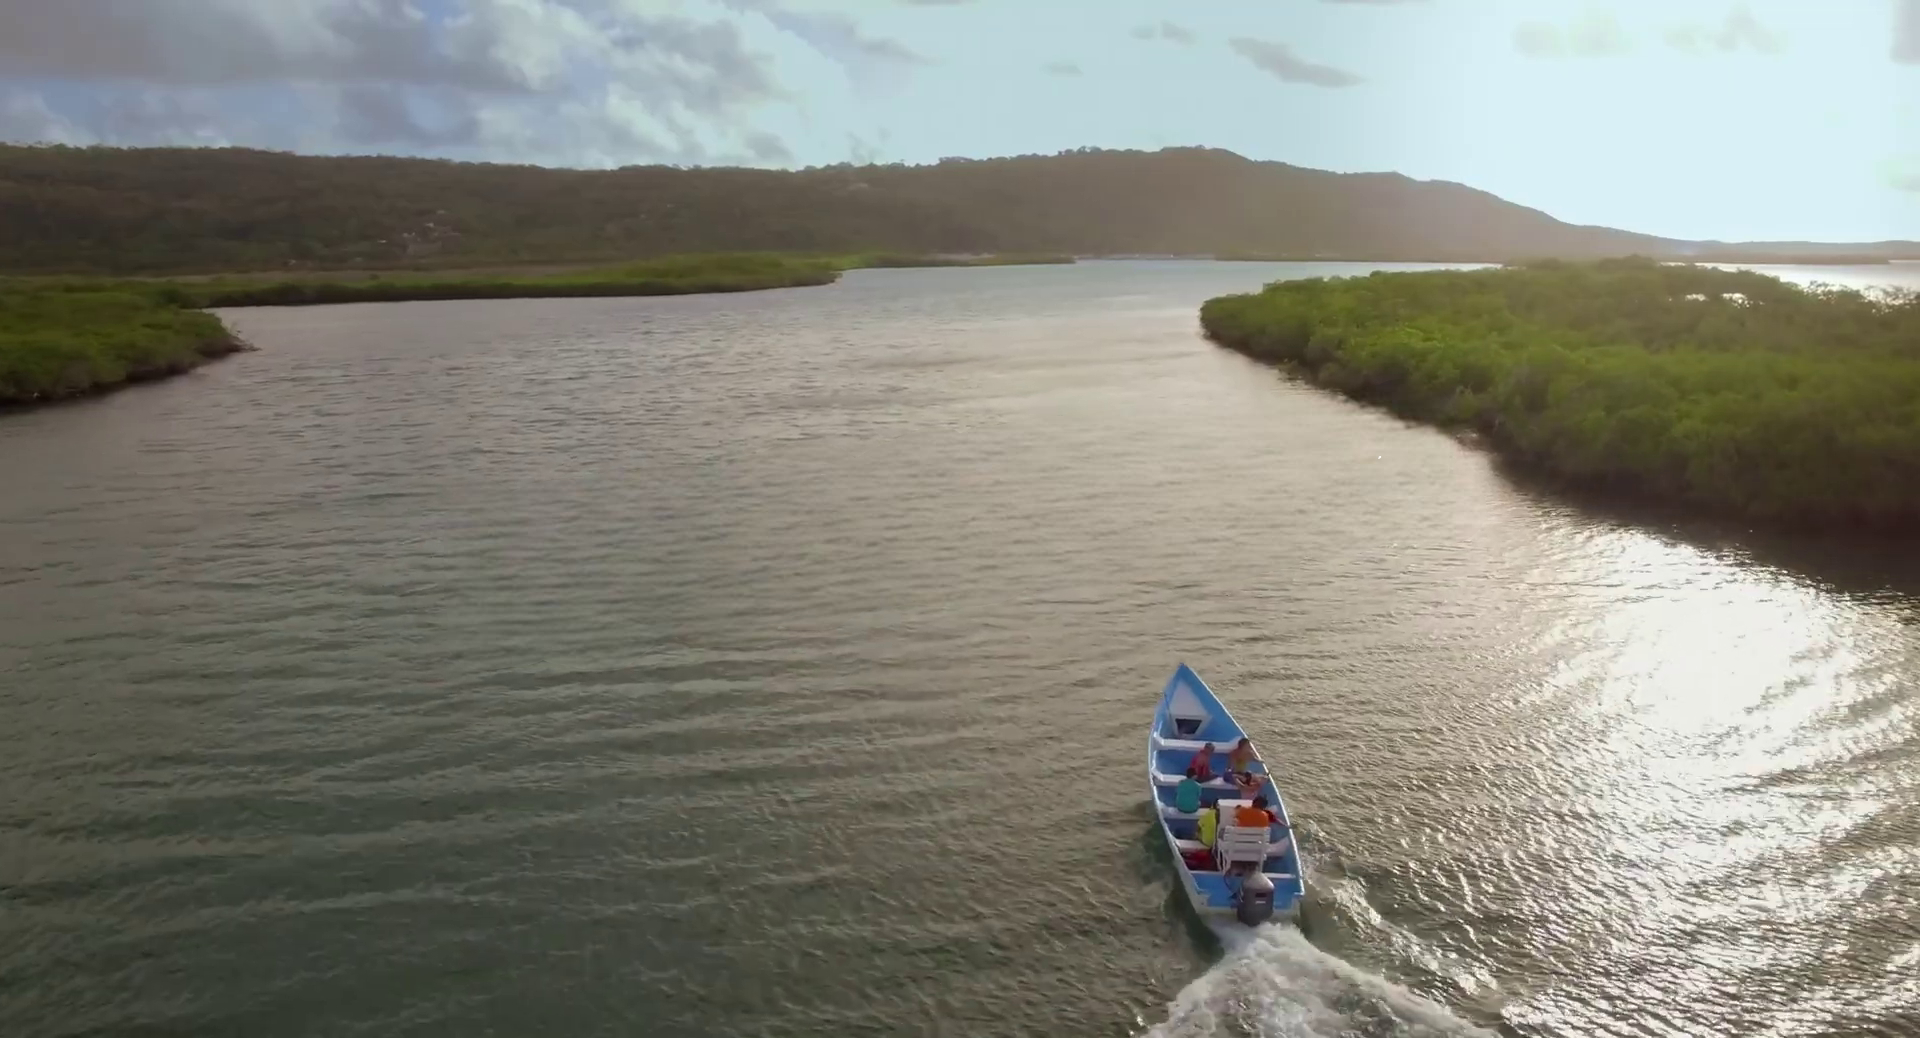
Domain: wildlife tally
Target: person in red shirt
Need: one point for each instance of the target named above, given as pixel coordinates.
(1200, 769)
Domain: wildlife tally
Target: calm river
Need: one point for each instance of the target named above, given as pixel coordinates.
(778, 664)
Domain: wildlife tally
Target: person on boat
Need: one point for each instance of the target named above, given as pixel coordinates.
(1208, 825)
(1200, 768)
(1248, 783)
(1256, 813)
(1241, 758)
(1186, 795)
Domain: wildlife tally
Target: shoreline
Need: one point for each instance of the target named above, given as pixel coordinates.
(1728, 394)
(330, 293)
(1541, 473)
(1732, 259)
(236, 291)
(133, 363)
(18, 396)
(204, 354)
(68, 338)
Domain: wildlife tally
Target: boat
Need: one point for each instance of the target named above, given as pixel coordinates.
(1249, 874)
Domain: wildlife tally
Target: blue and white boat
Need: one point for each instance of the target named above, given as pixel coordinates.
(1248, 873)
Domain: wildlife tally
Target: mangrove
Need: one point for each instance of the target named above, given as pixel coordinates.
(1729, 391)
(67, 337)
(71, 341)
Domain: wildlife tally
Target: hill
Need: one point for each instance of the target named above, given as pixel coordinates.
(180, 210)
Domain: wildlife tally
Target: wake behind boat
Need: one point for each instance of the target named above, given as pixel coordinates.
(1247, 872)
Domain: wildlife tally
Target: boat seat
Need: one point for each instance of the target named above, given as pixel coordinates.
(1165, 779)
(1220, 746)
(1241, 844)
(1170, 811)
(1274, 850)
(1238, 843)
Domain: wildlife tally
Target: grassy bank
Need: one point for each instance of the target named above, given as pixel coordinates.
(58, 344)
(1730, 391)
(64, 337)
(1729, 257)
(901, 259)
(674, 275)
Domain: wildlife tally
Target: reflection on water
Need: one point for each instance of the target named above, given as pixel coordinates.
(1866, 277)
(777, 664)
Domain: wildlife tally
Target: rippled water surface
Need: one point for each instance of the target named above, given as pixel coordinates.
(777, 664)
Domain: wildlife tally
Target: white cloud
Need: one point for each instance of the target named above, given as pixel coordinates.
(24, 116)
(1741, 30)
(869, 60)
(215, 42)
(1279, 60)
(1902, 173)
(1595, 34)
(593, 81)
(1172, 32)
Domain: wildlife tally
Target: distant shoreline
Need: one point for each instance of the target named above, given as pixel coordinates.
(142, 212)
(698, 274)
(1737, 259)
(67, 338)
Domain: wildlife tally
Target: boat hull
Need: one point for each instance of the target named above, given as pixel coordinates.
(1188, 717)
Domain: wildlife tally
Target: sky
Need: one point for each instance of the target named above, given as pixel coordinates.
(1708, 119)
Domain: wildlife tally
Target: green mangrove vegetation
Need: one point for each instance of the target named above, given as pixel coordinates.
(671, 275)
(58, 342)
(863, 260)
(1730, 391)
(65, 337)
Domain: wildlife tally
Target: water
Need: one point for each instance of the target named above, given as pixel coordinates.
(777, 664)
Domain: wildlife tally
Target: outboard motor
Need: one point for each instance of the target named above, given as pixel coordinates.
(1255, 903)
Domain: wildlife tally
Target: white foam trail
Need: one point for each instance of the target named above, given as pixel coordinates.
(1273, 983)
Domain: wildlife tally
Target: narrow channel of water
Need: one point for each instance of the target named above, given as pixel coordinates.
(777, 664)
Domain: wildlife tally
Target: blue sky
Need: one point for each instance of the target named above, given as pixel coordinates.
(1763, 119)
